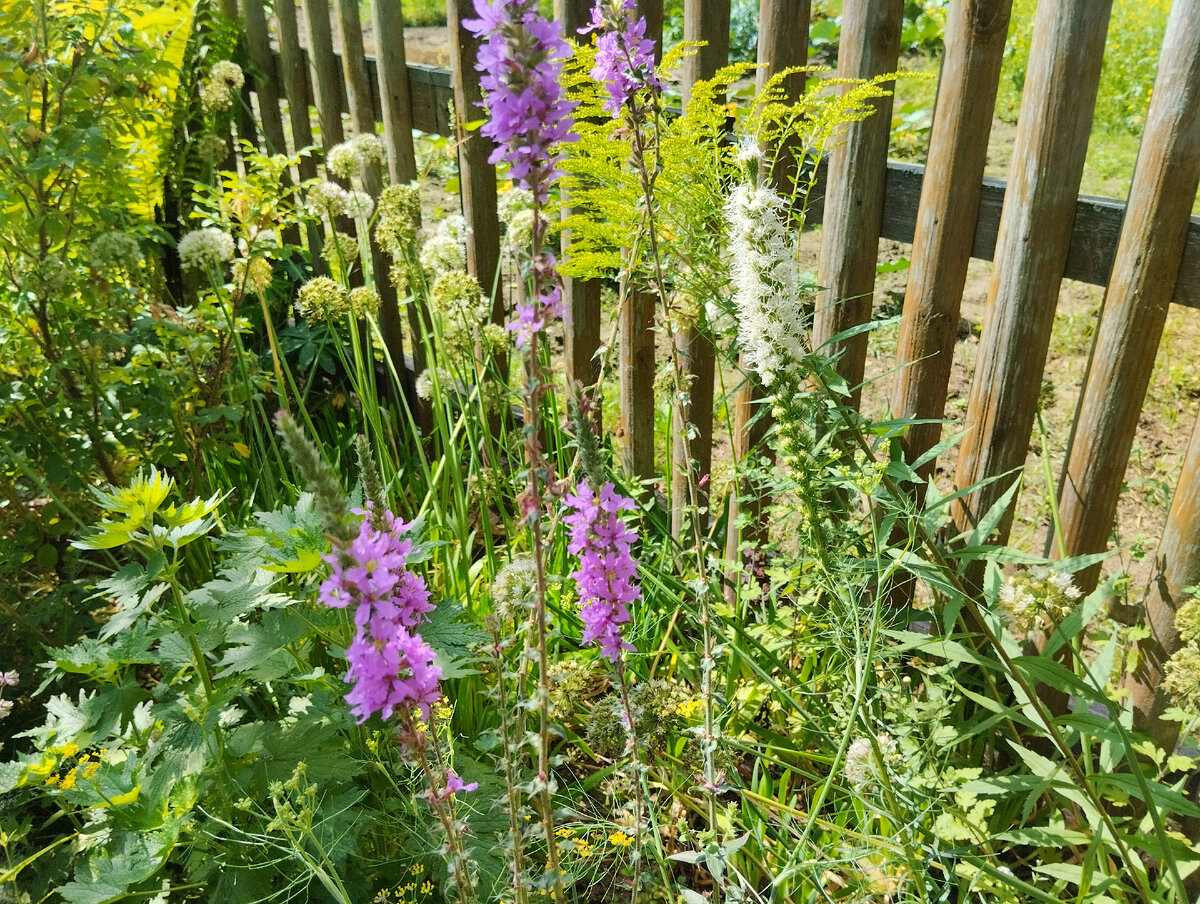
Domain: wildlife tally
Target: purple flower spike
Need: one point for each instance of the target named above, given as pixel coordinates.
(607, 574)
(624, 55)
(391, 667)
(521, 60)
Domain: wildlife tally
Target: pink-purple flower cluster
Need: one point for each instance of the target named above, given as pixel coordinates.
(607, 574)
(521, 59)
(391, 667)
(624, 55)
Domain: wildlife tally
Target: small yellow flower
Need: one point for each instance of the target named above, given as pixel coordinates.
(426, 887)
(620, 839)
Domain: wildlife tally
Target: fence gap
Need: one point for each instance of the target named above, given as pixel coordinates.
(1139, 293)
(946, 218)
(854, 196)
(1031, 248)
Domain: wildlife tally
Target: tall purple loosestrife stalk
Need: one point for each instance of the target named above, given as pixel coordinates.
(521, 59)
(625, 64)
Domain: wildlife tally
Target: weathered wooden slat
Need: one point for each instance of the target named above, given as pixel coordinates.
(391, 78)
(362, 118)
(636, 378)
(782, 44)
(265, 80)
(850, 237)
(325, 73)
(581, 297)
(946, 216)
(652, 12)
(477, 177)
(707, 21)
(1032, 247)
(1139, 293)
(292, 68)
(695, 351)
(1179, 558)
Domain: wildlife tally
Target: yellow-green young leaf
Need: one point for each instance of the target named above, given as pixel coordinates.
(306, 560)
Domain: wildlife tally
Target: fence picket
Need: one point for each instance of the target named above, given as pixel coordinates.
(362, 118)
(325, 74)
(477, 177)
(854, 197)
(1031, 248)
(946, 218)
(581, 297)
(1139, 293)
(1179, 553)
(395, 98)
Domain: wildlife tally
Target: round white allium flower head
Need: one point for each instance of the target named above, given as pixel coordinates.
(359, 205)
(203, 249)
(224, 80)
(117, 250)
(251, 276)
(326, 199)
(446, 248)
(322, 299)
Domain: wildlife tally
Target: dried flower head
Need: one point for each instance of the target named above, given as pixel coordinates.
(326, 199)
(364, 301)
(1037, 599)
(514, 587)
(446, 248)
(340, 251)
(1181, 677)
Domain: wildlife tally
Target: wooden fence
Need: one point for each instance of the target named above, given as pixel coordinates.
(1036, 229)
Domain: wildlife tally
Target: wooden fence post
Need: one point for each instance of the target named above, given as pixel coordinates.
(636, 374)
(1178, 564)
(295, 87)
(362, 116)
(395, 98)
(324, 74)
(782, 44)
(694, 352)
(636, 334)
(975, 35)
(477, 177)
(266, 82)
(854, 198)
(1031, 247)
(1139, 293)
(708, 21)
(581, 297)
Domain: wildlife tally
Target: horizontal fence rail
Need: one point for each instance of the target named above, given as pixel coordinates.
(1094, 236)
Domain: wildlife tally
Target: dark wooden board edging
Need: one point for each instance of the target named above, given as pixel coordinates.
(1093, 241)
